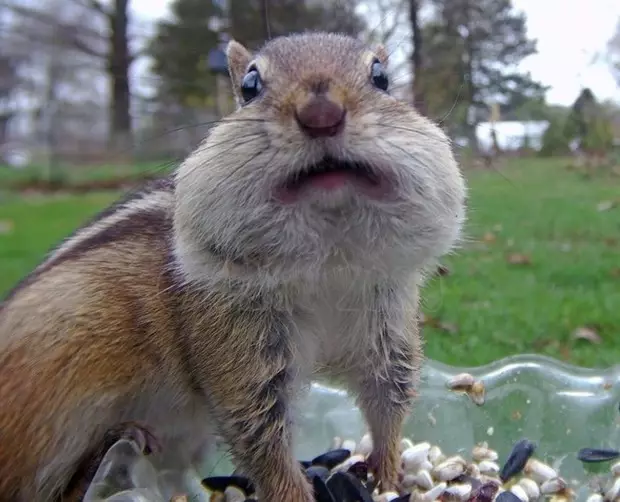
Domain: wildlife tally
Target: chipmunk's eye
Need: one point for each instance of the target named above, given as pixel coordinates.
(379, 76)
(251, 85)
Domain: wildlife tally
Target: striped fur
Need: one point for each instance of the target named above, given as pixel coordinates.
(152, 197)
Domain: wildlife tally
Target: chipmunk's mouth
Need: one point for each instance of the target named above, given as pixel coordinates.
(332, 174)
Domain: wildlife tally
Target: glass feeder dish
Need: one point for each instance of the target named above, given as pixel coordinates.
(562, 408)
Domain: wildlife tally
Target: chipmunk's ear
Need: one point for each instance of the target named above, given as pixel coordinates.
(238, 60)
(382, 54)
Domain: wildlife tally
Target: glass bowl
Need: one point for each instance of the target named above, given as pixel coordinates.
(561, 407)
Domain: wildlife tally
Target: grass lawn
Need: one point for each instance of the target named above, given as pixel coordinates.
(541, 260)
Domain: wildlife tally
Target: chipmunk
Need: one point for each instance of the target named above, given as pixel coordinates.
(289, 246)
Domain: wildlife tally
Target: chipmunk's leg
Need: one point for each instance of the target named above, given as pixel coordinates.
(386, 390)
(142, 435)
(385, 400)
(250, 392)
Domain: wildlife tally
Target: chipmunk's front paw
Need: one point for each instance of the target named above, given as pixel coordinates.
(139, 433)
(386, 469)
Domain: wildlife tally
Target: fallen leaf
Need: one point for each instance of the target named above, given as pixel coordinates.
(606, 205)
(6, 226)
(448, 327)
(615, 272)
(442, 270)
(543, 343)
(433, 322)
(587, 333)
(565, 353)
(519, 259)
(489, 237)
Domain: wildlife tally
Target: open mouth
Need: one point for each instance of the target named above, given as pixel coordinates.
(331, 174)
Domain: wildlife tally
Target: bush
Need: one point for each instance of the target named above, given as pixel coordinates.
(555, 141)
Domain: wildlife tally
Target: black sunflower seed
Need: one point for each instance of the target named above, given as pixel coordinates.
(321, 491)
(403, 498)
(484, 493)
(360, 470)
(469, 480)
(317, 471)
(332, 458)
(520, 454)
(220, 483)
(507, 497)
(597, 454)
(347, 488)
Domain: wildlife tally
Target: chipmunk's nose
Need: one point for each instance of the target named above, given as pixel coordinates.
(320, 117)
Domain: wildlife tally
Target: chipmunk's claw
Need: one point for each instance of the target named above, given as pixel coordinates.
(148, 443)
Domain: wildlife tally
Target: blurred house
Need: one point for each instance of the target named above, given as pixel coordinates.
(511, 135)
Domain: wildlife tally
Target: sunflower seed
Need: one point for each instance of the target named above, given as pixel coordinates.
(435, 455)
(539, 471)
(613, 493)
(461, 382)
(434, 492)
(450, 468)
(348, 463)
(482, 452)
(488, 467)
(336, 443)
(460, 491)
(365, 445)
(405, 444)
(520, 492)
(551, 486)
(423, 479)
(387, 497)
(597, 454)
(414, 456)
(477, 393)
(234, 494)
(507, 497)
(348, 444)
(519, 455)
(530, 487)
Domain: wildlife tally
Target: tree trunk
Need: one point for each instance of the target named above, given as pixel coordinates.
(471, 120)
(118, 67)
(264, 7)
(416, 56)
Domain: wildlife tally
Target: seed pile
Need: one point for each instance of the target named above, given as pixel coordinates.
(428, 474)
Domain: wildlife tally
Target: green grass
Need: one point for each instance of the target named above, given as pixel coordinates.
(72, 175)
(498, 309)
(486, 308)
(38, 223)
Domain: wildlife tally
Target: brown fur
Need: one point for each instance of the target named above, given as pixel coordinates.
(201, 305)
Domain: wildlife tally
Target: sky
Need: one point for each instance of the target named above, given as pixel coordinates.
(570, 34)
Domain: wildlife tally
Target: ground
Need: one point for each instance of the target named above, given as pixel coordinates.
(541, 262)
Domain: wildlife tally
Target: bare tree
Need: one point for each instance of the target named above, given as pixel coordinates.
(417, 62)
(613, 53)
(388, 26)
(60, 85)
(99, 34)
(118, 60)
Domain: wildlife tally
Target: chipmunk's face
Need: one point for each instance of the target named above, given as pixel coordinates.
(320, 158)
